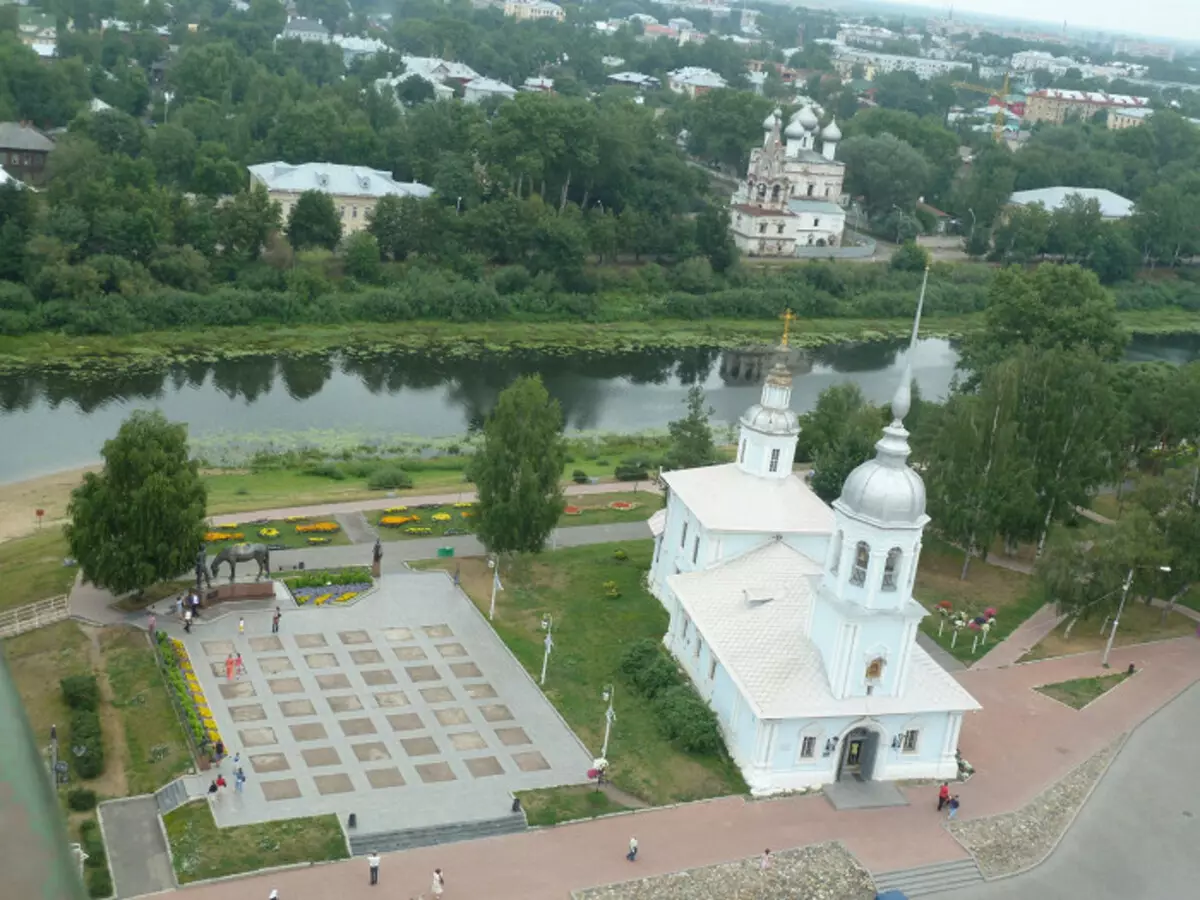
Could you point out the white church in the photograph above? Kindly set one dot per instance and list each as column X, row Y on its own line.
column 797, row 621
column 791, row 196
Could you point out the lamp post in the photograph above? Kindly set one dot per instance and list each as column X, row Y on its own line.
column 548, row 627
column 609, row 718
column 495, row 584
column 1121, row 608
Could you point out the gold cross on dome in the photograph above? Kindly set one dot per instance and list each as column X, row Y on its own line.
column 787, row 317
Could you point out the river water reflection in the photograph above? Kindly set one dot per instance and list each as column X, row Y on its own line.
column 54, row 421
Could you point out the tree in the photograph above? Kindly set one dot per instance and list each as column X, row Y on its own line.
column 1022, row 235
column 1052, row 306
column 141, row 519
column 724, row 125
column 1172, row 504
column 246, row 220
column 395, row 222
column 885, row 171
column 360, row 256
column 909, row 257
column 837, row 435
column 714, row 239
column 691, row 437
column 314, row 222
column 518, row 470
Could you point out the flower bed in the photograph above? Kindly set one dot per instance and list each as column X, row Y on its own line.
column 329, row 594
column 293, row 519
column 329, row 586
column 395, row 521
column 572, row 511
column 182, row 678
column 442, row 517
column 213, row 537
column 622, row 505
column 268, row 532
column 318, row 528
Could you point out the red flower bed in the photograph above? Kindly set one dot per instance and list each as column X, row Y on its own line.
column 572, row 510
column 620, row 504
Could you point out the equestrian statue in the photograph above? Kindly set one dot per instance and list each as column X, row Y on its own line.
column 236, row 553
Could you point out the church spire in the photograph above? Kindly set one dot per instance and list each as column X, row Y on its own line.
column 892, row 449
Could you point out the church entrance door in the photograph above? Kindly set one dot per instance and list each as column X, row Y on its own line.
column 858, row 755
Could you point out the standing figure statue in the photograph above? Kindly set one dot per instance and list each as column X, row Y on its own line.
column 377, row 558
column 202, row 568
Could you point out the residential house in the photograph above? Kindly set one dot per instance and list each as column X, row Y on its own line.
column 527, row 10
column 538, row 84
column 694, row 81
column 636, row 80
column 1120, row 119
column 310, row 31
column 486, row 88
column 1112, row 206
column 1054, row 105
column 355, row 189
column 23, row 150
column 358, row 47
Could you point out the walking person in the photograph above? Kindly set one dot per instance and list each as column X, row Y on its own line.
column 187, row 621
column 239, row 667
column 275, row 621
column 195, row 606
column 241, row 627
column 953, row 806
column 439, row 883
column 212, row 791
column 179, row 607
column 229, row 667
column 373, row 865
column 943, row 796
column 633, row 848
column 152, row 624
column 765, row 862
column 239, row 781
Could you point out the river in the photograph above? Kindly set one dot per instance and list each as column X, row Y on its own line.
column 56, row 421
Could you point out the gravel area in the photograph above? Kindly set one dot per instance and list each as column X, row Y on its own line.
column 818, row 872
column 1016, row 841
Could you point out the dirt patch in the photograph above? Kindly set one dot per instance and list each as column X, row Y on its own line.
column 112, row 782
column 20, row 500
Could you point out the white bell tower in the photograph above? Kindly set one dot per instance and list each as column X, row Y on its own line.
column 770, row 430
column 865, row 618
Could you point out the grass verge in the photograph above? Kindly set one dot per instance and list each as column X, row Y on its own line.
column 591, row 631
column 549, row 806
column 1079, row 692
column 38, row 660
column 155, row 750
column 32, row 568
column 201, row 850
column 1140, row 624
column 1011, row 593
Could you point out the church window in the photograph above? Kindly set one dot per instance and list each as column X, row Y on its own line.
column 808, row 747
column 875, row 669
column 775, row 194
column 810, row 190
column 699, row 647
column 712, row 668
column 762, row 229
column 909, row 740
column 816, row 223
column 762, row 191
column 775, row 460
column 889, row 569
column 862, row 558
column 742, row 451
column 687, row 626
column 826, row 190
column 779, row 229
column 683, row 537
column 695, row 548
column 837, row 553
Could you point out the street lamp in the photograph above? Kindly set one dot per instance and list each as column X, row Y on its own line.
column 609, row 718
column 495, row 586
column 1121, row 608
column 548, row 627
column 972, row 234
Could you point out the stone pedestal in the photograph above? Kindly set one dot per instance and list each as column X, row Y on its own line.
column 375, row 567
column 249, row 590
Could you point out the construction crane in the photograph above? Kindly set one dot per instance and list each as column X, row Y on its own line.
column 1001, row 96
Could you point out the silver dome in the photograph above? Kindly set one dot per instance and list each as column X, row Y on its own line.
column 795, row 130
column 831, row 132
column 807, row 118
column 884, row 494
column 766, row 420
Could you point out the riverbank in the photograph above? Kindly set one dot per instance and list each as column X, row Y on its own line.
column 464, row 340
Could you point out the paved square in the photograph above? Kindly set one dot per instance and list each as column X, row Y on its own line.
column 403, row 708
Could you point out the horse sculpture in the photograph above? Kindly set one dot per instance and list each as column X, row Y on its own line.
column 236, row 553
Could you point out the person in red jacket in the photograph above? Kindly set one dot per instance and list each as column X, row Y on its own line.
column 943, row 796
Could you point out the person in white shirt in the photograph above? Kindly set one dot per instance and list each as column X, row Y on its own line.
column 373, row 862
column 439, row 883
column 632, row 854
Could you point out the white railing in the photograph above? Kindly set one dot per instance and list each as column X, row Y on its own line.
column 32, row 616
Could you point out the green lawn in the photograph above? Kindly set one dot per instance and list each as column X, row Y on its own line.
column 586, row 509
column 1107, row 505
column 1081, row 691
column 590, row 633
column 549, row 806
column 155, row 748
column 201, row 850
column 31, row 568
column 287, row 535
column 1011, row 593
column 1140, row 624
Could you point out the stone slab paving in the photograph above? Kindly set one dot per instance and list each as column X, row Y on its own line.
column 406, row 710
column 137, row 853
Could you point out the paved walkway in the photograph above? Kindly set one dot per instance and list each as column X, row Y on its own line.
column 137, row 853
column 350, row 506
column 1020, row 743
column 1022, row 639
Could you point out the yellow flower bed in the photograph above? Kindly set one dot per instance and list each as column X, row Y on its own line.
column 268, row 532
column 464, row 504
column 396, row 509
column 418, row 529
column 318, row 528
column 441, row 517
column 350, row 596
column 290, row 519
column 323, row 599
column 227, row 526
column 397, row 521
column 213, row 537
column 466, row 514
column 318, row 540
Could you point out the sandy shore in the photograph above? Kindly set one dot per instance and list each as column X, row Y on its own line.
column 20, row 501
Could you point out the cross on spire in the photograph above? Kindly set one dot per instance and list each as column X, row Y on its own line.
column 787, row 317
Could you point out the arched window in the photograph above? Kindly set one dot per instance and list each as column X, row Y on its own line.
column 875, row 669
column 810, row 189
column 762, row 191
column 862, row 559
column 775, row 194
column 890, row 568
column 837, row 553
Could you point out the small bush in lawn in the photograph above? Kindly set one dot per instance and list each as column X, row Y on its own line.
column 649, row 668
column 92, row 842
column 389, row 478
column 631, row 472
column 326, row 470
column 611, row 591
column 637, row 656
column 620, row 555
column 84, row 732
column 688, row 721
column 99, row 882
column 81, row 691
column 579, row 476
column 81, row 799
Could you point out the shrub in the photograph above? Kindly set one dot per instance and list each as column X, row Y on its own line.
column 323, row 577
column 86, row 744
column 389, row 478
column 92, row 842
column 649, row 669
column 99, row 882
column 631, row 472
column 909, row 257
column 579, row 476
column 326, row 470
column 611, row 591
column 637, row 656
column 620, row 555
column 81, row 799
column 81, row 691
column 688, row 721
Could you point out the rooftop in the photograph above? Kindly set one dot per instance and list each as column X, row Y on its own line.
column 304, row 26
column 724, row 498
column 754, row 613
column 1096, row 97
column 433, row 69
column 351, row 181
column 17, row 136
column 1112, row 206
column 815, row 206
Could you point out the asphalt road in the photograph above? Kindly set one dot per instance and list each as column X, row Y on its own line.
column 1139, row 834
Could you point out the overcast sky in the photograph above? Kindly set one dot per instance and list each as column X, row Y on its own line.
column 1171, row 18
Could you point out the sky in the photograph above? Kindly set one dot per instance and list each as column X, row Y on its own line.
column 1179, row 19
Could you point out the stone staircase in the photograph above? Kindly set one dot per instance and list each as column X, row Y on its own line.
column 173, row 796
column 925, row 880
column 362, row 844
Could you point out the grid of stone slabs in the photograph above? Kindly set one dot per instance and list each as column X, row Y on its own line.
column 405, row 710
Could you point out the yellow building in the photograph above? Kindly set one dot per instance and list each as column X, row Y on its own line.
column 1120, row 119
column 355, row 189
column 1056, row 106
column 523, row 10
